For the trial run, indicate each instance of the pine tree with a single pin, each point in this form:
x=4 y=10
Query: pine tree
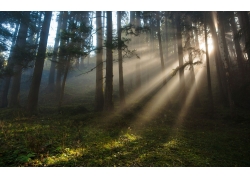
x=37 y=74
x=108 y=101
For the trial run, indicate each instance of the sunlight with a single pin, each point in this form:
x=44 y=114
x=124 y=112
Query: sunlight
x=190 y=97
x=215 y=20
x=147 y=87
x=68 y=155
x=209 y=43
x=161 y=98
x=121 y=141
x=171 y=144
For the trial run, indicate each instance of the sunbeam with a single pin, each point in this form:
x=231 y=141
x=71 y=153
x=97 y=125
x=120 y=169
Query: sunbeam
x=190 y=97
x=162 y=98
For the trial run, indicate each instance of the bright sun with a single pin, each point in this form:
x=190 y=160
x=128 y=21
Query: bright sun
x=210 y=45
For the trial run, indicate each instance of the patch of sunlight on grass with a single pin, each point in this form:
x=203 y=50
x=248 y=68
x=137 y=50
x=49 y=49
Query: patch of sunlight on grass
x=171 y=144
x=121 y=141
x=113 y=144
x=66 y=156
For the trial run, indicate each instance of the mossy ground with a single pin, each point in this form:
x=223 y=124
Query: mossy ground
x=112 y=139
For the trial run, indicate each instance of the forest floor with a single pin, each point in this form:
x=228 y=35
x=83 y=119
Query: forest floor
x=74 y=137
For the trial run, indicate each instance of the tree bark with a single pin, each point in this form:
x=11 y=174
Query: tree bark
x=180 y=57
x=19 y=49
x=166 y=35
x=51 y=84
x=246 y=30
x=10 y=65
x=196 y=32
x=62 y=55
x=223 y=38
x=99 y=99
x=196 y=101
x=160 y=46
x=138 y=64
x=210 y=95
x=109 y=106
x=37 y=75
x=219 y=66
x=240 y=58
x=64 y=81
x=226 y=64
x=121 y=83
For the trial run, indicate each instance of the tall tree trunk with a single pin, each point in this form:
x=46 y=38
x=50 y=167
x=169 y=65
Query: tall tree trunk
x=109 y=106
x=66 y=63
x=180 y=57
x=175 y=41
x=166 y=35
x=62 y=55
x=99 y=99
x=223 y=38
x=38 y=70
x=210 y=95
x=246 y=30
x=32 y=63
x=240 y=58
x=104 y=32
x=160 y=45
x=138 y=64
x=189 y=36
x=121 y=83
x=132 y=22
x=19 y=49
x=64 y=81
x=226 y=63
x=39 y=26
x=196 y=33
x=219 y=66
x=51 y=84
x=10 y=65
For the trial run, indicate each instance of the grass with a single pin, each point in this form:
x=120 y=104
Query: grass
x=100 y=139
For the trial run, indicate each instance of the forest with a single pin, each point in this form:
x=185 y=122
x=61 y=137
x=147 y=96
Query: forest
x=124 y=88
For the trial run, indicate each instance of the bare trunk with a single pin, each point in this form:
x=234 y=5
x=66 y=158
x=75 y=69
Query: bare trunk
x=109 y=106
x=121 y=83
x=20 y=46
x=246 y=30
x=10 y=65
x=166 y=36
x=99 y=99
x=210 y=95
x=180 y=57
x=219 y=65
x=62 y=56
x=189 y=35
x=196 y=32
x=51 y=83
x=138 y=64
x=37 y=75
x=64 y=82
x=240 y=58
x=160 y=46
x=223 y=39
x=226 y=62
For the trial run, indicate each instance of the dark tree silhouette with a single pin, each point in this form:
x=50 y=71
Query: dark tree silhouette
x=108 y=101
x=37 y=75
x=99 y=98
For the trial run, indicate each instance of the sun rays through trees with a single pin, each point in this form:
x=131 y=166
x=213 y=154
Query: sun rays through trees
x=127 y=70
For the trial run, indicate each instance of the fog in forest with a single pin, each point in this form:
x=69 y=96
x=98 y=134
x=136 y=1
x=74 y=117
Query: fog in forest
x=139 y=66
